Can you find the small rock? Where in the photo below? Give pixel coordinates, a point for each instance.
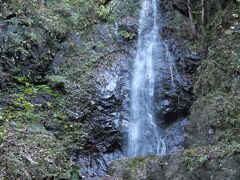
(210, 131)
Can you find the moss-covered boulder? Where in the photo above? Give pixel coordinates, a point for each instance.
(29, 151)
(207, 162)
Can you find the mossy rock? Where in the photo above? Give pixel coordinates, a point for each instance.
(138, 168)
(29, 151)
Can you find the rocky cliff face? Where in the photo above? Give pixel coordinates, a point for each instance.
(65, 81)
(212, 140)
(69, 78)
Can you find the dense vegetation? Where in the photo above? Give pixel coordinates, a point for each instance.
(50, 110)
(32, 98)
(46, 89)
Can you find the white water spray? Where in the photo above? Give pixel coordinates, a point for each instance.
(144, 135)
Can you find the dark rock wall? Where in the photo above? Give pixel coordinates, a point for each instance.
(69, 76)
(212, 139)
(65, 82)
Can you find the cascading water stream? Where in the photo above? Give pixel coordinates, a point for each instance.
(144, 135)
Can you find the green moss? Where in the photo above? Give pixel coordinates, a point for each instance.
(21, 79)
(104, 12)
(72, 173)
(45, 89)
(232, 148)
(3, 133)
(194, 158)
(59, 116)
(56, 78)
(134, 163)
(21, 103)
(127, 35)
(43, 155)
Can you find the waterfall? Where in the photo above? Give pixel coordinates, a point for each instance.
(144, 135)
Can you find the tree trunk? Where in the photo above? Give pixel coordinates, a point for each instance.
(203, 18)
(192, 24)
(203, 29)
(41, 4)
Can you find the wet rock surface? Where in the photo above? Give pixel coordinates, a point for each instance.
(65, 93)
(174, 136)
(210, 151)
(112, 83)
